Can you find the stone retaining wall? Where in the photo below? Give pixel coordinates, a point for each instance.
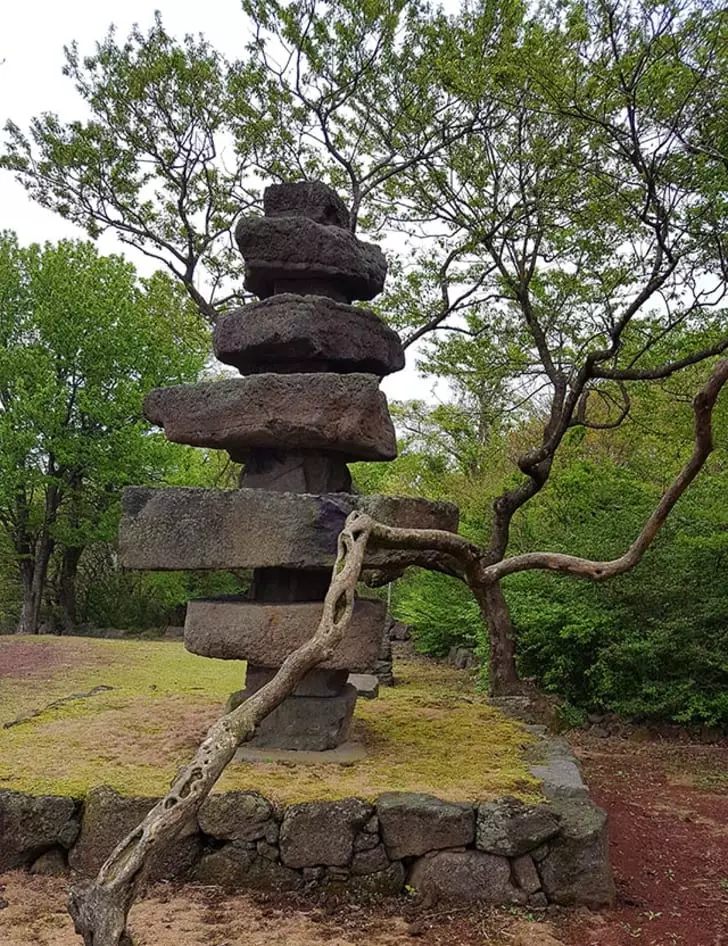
(499, 852)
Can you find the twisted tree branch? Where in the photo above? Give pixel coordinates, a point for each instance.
(100, 908)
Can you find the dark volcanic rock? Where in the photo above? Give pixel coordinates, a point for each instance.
(30, 825)
(368, 887)
(344, 414)
(235, 816)
(191, 528)
(108, 817)
(320, 833)
(306, 333)
(467, 876)
(577, 870)
(413, 824)
(308, 723)
(247, 630)
(509, 827)
(312, 199)
(236, 867)
(278, 251)
(368, 862)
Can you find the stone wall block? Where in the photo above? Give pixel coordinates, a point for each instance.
(510, 828)
(30, 825)
(577, 871)
(466, 876)
(108, 817)
(236, 816)
(322, 833)
(412, 824)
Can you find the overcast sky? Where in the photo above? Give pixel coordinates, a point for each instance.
(32, 37)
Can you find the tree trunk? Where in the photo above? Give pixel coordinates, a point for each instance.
(66, 590)
(502, 674)
(32, 590)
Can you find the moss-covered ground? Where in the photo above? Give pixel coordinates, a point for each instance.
(432, 732)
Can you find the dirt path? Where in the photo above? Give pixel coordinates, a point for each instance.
(668, 810)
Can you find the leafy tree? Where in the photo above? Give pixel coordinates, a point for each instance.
(165, 159)
(82, 341)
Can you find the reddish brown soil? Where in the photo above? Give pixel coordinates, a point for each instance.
(668, 811)
(21, 659)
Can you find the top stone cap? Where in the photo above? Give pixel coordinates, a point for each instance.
(311, 199)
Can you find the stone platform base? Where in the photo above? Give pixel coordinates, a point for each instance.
(498, 852)
(346, 754)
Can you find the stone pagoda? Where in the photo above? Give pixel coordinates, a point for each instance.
(308, 403)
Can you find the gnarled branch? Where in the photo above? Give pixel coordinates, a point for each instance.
(100, 908)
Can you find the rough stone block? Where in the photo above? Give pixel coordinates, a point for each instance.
(312, 199)
(235, 816)
(285, 249)
(188, 528)
(577, 870)
(31, 825)
(368, 862)
(306, 333)
(339, 413)
(368, 887)
(108, 817)
(467, 876)
(322, 833)
(308, 723)
(511, 828)
(264, 634)
(365, 684)
(412, 824)
(525, 874)
(235, 867)
(316, 683)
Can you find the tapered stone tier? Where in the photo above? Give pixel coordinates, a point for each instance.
(336, 413)
(308, 404)
(306, 333)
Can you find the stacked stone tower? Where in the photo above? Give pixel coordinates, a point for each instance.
(308, 403)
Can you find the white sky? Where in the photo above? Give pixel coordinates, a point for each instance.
(32, 36)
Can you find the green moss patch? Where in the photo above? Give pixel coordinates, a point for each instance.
(431, 733)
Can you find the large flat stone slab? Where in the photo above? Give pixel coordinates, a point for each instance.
(190, 528)
(340, 413)
(264, 634)
(280, 250)
(296, 333)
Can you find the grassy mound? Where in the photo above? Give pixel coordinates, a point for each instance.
(154, 702)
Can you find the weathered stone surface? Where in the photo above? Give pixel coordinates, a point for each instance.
(268, 851)
(369, 887)
(315, 683)
(185, 528)
(30, 825)
(339, 413)
(412, 824)
(368, 862)
(51, 864)
(264, 634)
(312, 199)
(287, 249)
(296, 471)
(108, 817)
(466, 876)
(322, 833)
(306, 333)
(511, 828)
(365, 684)
(307, 723)
(577, 870)
(365, 842)
(525, 874)
(560, 772)
(235, 867)
(235, 816)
